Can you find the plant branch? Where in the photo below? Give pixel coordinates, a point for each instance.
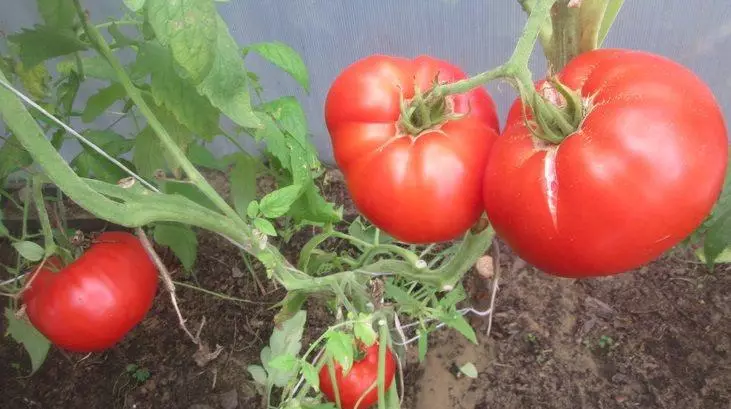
(166, 280)
(48, 242)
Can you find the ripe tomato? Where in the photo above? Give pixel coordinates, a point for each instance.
(640, 174)
(418, 188)
(359, 379)
(93, 302)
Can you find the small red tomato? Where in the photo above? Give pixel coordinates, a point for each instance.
(358, 380)
(92, 303)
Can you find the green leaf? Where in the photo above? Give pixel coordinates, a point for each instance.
(610, 15)
(34, 80)
(265, 226)
(285, 339)
(243, 183)
(423, 343)
(147, 155)
(718, 237)
(456, 321)
(13, 156)
(278, 202)
(252, 210)
(33, 341)
(91, 163)
(4, 232)
(199, 155)
(43, 43)
(363, 330)
(120, 40)
(286, 58)
(101, 101)
(400, 295)
(94, 67)
(311, 206)
(469, 370)
(134, 5)
(339, 345)
(453, 297)
(181, 239)
(290, 115)
(258, 373)
(286, 362)
(310, 374)
(189, 28)
(189, 191)
(57, 13)
(177, 94)
(723, 258)
(367, 233)
(29, 250)
(227, 83)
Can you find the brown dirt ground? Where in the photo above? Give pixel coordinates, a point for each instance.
(659, 337)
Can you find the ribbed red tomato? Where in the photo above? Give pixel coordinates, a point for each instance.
(93, 302)
(420, 188)
(640, 174)
(360, 378)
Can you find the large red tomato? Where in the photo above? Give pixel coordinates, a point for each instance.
(362, 375)
(418, 188)
(640, 174)
(93, 302)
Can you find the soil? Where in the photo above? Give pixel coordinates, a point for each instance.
(658, 337)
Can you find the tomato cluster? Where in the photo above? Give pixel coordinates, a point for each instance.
(640, 173)
(90, 304)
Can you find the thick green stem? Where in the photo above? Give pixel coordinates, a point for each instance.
(382, 349)
(565, 42)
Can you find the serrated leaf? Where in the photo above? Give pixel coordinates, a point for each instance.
(43, 42)
(310, 374)
(134, 5)
(453, 297)
(33, 341)
(227, 83)
(286, 58)
(423, 343)
(181, 239)
(312, 206)
(101, 101)
(367, 233)
(278, 202)
(199, 155)
(284, 362)
(252, 210)
(285, 339)
(12, 157)
(94, 67)
(339, 346)
(243, 183)
(258, 373)
(149, 154)
(29, 250)
(90, 163)
(288, 112)
(456, 321)
(399, 295)
(469, 370)
(177, 94)
(718, 237)
(57, 13)
(363, 330)
(265, 226)
(189, 28)
(34, 80)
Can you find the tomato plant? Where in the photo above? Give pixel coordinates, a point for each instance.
(417, 173)
(90, 304)
(641, 172)
(356, 387)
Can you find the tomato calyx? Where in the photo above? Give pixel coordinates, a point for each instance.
(425, 111)
(558, 110)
